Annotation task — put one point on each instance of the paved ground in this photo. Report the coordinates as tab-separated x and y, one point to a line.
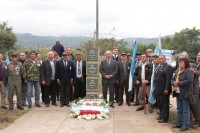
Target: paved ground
122	119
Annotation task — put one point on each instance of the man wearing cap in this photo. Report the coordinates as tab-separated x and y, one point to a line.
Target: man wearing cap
79	77
129	57
58	48
64	77
123	78
14	73
135	94
143	79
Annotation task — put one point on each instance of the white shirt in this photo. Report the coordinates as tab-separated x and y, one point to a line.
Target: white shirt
143	72
77	66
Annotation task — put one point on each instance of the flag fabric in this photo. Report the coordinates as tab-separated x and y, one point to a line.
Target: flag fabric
132	70
7	58
151	94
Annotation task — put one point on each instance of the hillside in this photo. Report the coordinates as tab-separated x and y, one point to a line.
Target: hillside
29	40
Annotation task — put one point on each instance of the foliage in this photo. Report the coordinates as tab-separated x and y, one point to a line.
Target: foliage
185	40
7	37
106	44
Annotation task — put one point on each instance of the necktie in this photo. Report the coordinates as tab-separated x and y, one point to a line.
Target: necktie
108	61
124	65
79	68
65	64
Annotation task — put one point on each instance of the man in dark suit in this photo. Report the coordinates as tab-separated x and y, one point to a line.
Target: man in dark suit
123	78
108	71
71	58
162	84
64	76
79	77
48	71
116	57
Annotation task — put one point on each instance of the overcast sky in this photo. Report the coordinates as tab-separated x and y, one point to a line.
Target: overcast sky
131	18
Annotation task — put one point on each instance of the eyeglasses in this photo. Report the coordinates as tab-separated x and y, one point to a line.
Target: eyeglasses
64	55
14	56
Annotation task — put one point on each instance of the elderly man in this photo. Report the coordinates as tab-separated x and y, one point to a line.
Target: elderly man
48	71
108	71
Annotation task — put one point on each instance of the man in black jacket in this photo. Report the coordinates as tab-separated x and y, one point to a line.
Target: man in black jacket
162	84
48	71
143	79
64	76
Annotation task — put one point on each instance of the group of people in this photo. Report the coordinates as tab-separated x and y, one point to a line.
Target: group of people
152	72
61	72
61	77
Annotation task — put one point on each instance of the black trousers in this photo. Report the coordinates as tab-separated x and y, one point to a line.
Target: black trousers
111	87
42	91
79	88
124	87
163	106
64	92
116	92
50	90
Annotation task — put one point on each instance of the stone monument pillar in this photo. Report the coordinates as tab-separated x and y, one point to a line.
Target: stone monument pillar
92	72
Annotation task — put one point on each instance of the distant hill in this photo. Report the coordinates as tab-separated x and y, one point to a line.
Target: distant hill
29	40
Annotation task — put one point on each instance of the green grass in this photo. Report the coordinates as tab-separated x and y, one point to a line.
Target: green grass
8	117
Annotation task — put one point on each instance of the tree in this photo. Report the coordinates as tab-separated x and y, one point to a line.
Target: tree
106	44
185	40
7	37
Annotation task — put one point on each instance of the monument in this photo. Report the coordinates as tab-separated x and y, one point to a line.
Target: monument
92	72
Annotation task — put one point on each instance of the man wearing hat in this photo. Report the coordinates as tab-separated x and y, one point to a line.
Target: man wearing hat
58	48
64	76
122	78
135	94
14	74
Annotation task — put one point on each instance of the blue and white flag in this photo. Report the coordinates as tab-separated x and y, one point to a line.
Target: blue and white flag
156	52
131	76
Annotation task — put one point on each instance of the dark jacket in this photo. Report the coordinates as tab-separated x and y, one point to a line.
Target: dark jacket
148	72
106	69
4	70
59	49
120	73
46	71
185	83
162	80
62	73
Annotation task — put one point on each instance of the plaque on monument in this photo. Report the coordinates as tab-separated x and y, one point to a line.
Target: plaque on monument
92	83
93	94
92	68
92	54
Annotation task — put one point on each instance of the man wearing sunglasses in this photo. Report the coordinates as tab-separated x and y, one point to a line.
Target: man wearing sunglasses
64	76
14	73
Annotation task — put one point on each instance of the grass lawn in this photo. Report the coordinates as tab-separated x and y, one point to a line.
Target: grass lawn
172	121
7	117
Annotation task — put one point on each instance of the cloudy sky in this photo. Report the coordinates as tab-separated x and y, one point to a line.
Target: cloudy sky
131	18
